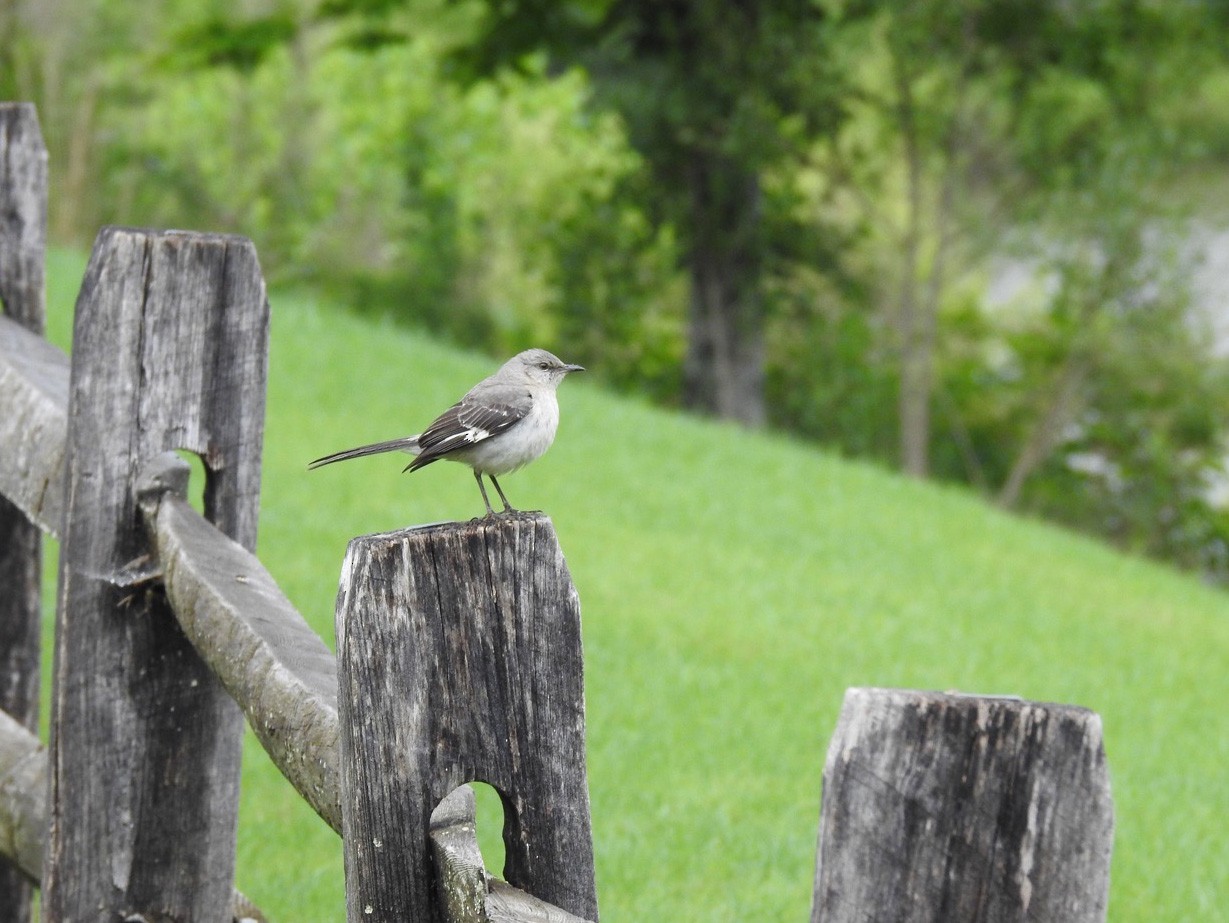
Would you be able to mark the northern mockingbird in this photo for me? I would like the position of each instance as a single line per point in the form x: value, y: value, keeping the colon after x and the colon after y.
x: 503, y: 423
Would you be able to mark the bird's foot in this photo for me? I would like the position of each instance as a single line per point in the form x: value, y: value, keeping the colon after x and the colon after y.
x: 507, y: 512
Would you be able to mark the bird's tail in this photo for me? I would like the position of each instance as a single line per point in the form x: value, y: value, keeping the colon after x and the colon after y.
x: 404, y: 444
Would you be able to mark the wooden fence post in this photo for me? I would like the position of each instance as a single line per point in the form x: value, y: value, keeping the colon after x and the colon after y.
x: 970, y: 808
x: 459, y: 660
x: 169, y: 351
x: 23, y: 239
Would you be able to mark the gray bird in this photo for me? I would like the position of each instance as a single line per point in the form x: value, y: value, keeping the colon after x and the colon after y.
x: 503, y: 423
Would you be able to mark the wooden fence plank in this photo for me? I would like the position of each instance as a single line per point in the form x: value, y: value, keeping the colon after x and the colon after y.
x: 169, y: 351
x: 506, y: 904
x: 970, y: 808
x: 33, y: 424
x: 23, y: 797
x: 460, y: 876
x: 459, y: 659
x: 267, y: 657
x: 23, y: 241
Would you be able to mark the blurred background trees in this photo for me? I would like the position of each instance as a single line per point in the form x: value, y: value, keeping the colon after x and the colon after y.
x: 956, y: 236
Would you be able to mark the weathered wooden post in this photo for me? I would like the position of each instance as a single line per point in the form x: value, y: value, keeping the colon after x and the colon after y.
x: 459, y: 660
x: 169, y: 351
x: 970, y: 808
x: 23, y: 239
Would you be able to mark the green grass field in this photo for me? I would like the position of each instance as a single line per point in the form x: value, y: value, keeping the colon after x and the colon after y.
x: 733, y: 586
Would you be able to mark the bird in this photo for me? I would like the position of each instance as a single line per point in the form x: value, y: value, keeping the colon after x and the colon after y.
x: 501, y: 424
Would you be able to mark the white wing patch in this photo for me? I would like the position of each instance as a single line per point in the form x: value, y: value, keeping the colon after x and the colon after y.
x: 472, y: 435
x: 462, y: 437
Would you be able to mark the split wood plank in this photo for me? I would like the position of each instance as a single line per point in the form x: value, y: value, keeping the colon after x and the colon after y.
x: 242, y: 625
x: 169, y: 351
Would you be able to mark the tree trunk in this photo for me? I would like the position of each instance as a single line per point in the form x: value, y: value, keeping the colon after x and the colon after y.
x: 724, y: 369
x: 1047, y: 430
x: 915, y: 316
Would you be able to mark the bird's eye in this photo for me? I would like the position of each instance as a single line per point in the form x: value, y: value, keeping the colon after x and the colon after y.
x: 544, y: 366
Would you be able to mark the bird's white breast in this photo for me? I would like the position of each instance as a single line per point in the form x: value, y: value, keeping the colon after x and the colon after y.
x: 521, y: 444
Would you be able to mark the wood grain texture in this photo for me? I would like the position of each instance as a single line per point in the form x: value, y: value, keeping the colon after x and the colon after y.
x: 169, y: 351
x: 968, y: 808
x: 23, y: 797
x: 459, y: 659
x: 23, y: 215
x: 33, y: 424
x: 23, y: 241
x: 280, y: 672
x: 506, y: 904
x: 466, y: 893
x: 23, y: 809
x: 460, y: 876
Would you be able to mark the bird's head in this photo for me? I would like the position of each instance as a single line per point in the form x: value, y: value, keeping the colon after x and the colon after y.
x: 544, y: 367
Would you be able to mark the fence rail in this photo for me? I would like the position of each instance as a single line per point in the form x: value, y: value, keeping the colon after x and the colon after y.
x: 269, y: 660
x: 458, y: 659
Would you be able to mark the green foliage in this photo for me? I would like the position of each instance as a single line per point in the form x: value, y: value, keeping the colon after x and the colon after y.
x: 1097, y: 389
x: 486, y: 213
x: 1139, y: 441
x: 619, y: 292
x: 967, y: 140
x: 1157, y: 436
x: 219, y: 42
x: 826, y: 376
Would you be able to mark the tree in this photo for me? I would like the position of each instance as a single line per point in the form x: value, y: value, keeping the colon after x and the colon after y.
x: 965, y: 119
x: 713, y: 96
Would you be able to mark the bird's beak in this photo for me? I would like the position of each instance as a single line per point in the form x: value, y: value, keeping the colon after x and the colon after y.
x: 573, y: 368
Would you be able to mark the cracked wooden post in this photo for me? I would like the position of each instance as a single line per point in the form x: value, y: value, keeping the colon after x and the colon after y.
x: 459, y: 660
x: 981, y: 809
x: 169, y: 351
x: 23, y: 239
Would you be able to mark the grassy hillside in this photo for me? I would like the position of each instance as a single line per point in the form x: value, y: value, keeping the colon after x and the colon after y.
x: 733, y: 586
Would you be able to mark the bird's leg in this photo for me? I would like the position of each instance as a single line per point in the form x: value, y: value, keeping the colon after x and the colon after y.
x: 489, y: 512
x: 507, y: 506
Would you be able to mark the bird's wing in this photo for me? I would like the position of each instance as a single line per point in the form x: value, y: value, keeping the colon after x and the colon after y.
x: 467, y: 422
